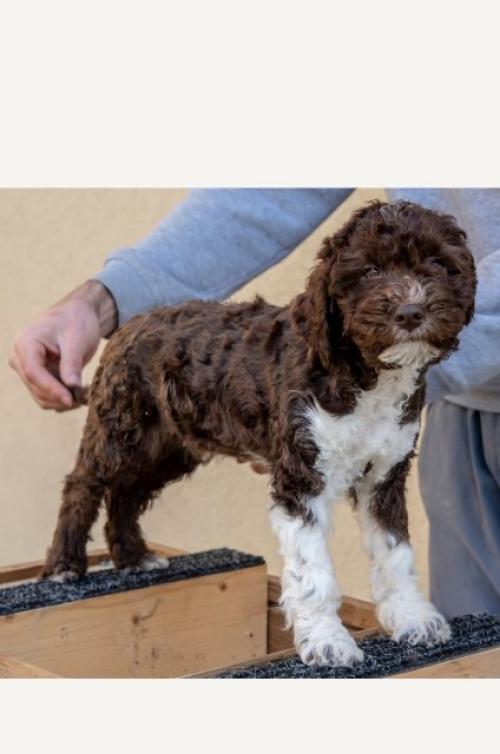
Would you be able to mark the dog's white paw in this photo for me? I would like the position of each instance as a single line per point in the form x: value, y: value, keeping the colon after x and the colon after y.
x: 148, y: 563
x: 415, y: 621
x: 63, y: 577
x: 152, y: 561
x: 335, y: 647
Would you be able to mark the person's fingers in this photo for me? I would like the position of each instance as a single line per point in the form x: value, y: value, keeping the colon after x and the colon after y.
x: 38, y: 397
x: 71, y: 359
x: 29, y: 362
x: 49, y: 399
x: 47, y: 404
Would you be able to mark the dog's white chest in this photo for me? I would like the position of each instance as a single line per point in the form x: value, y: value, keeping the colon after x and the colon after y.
x: 371, y: 434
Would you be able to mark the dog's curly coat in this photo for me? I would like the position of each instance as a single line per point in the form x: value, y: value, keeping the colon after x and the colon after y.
x: 326, y: 391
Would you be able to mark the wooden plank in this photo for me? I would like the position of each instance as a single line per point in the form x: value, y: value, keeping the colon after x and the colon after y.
x: 273, y: 589
x: 167, y: 630
x: 33, y: 569
x: 279, y: 655
x: 278, y: 638
x: 482, y: 664
x: 358, y: 614
x: 11, y: 667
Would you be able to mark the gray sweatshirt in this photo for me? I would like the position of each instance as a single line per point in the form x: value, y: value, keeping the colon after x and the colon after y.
x: 218, y: 239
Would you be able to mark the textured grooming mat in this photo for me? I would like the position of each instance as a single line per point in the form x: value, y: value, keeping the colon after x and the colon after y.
x: 28, y: 596
x: 384, y: 657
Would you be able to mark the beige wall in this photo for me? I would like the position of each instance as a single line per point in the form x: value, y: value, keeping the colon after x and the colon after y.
x: 50, y: 241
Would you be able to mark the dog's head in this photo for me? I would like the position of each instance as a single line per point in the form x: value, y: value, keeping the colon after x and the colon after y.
x: 396, y: 283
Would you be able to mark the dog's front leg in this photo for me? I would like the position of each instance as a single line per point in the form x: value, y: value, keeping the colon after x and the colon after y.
x: 401, y: 607
x: 310, y: 595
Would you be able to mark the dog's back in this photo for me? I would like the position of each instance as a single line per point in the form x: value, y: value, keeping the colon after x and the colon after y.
x: 203, y: 371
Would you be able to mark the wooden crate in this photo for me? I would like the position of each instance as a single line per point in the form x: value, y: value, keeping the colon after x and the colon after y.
x: 480, y: 664
x: 166, y: 630
x: 359, y: 617
x: 195, y: 628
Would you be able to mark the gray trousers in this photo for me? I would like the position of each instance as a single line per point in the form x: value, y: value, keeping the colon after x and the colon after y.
x: 459, y: 468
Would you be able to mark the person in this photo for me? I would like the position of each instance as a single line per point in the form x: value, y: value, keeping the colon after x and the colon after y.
x: 216, y: 241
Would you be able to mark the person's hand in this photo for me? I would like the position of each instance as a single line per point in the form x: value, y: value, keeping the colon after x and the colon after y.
x: 50, y: 354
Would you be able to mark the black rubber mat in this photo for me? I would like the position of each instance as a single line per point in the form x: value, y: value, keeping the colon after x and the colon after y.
x: 31, y: 595
x: 385, y: 657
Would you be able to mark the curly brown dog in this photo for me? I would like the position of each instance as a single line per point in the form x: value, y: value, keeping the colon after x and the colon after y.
x: 327, y: 392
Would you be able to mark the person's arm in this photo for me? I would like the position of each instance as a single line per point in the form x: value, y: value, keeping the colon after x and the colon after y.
x: 212, y: 244
x: 477, y: 361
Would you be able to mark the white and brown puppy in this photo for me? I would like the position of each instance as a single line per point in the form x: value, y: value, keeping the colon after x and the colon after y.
x: 327, y: 392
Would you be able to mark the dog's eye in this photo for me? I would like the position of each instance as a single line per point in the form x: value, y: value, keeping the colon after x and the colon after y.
x: 371, y: 271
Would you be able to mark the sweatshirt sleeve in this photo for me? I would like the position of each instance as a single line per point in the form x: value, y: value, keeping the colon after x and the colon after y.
x: 476, y: 364
x: 212, y: 244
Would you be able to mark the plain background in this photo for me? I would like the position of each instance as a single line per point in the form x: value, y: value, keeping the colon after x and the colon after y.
x: 54, y: 240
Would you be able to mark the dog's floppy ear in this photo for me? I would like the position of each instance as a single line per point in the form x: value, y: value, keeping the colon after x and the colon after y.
x: 469, y: 312
x: 456, y: 247
x: 314, y: 314
x: 375, y: 208
x: 469, y: 282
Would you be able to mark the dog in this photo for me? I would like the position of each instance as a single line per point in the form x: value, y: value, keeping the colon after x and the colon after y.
x: 325, y: 392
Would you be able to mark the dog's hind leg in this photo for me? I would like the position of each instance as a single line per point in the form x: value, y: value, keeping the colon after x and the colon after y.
x: 127, y: 500
x: 82, y: 495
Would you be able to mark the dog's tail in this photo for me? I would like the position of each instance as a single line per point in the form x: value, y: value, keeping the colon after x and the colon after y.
x: 80, y: 395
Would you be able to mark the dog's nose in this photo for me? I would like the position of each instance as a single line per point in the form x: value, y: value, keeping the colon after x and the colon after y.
x: 409, y: 316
